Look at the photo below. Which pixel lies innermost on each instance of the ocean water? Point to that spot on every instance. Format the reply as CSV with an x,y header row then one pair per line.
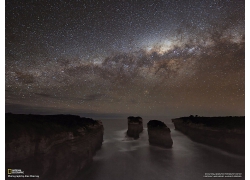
x,y
122,158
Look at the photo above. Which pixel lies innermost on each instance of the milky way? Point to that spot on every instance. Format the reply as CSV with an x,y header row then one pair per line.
x,y
109,59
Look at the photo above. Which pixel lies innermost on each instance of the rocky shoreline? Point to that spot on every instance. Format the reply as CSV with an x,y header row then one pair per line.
x,y
226,133
51,146
60,146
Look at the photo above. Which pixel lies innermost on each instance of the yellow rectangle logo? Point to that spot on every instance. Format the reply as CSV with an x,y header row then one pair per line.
x,y
9,171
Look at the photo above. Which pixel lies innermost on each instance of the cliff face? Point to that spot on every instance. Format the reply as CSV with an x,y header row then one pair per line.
x,y
231,140
135,126
53,147
159,134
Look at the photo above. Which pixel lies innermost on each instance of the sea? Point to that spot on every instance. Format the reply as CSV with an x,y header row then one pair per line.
x,y
123,158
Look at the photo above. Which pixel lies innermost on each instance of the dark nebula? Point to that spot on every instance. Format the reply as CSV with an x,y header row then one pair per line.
x,y
119,58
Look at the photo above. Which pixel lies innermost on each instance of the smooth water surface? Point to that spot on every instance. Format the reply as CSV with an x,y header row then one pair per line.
x,y
124,158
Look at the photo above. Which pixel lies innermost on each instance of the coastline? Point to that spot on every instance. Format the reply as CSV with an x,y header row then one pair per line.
x,y
48,145
221,136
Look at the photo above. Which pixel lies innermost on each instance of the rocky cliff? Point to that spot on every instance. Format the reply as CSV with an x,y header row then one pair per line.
x,y
51,146
159,134
226,133
135,126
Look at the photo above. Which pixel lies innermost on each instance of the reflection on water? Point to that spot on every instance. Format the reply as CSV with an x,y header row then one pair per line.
x,y
125,158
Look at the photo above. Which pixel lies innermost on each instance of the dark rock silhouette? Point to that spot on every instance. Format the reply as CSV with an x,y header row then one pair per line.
x,y
159,134
227,133
135,126
51,146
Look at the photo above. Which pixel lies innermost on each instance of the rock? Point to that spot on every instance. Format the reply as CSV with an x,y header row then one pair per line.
x,y
51,146
226,133
159,134
135,126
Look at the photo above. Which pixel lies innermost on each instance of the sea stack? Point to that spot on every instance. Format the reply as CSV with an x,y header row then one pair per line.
x,y
159,134
135,126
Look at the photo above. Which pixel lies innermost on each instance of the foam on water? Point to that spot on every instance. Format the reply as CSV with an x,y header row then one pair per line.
x,y
124,158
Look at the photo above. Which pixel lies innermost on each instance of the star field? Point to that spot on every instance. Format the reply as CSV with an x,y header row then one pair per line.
x,y
118,58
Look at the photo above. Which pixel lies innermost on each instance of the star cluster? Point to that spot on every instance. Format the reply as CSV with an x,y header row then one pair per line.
x,y
118,58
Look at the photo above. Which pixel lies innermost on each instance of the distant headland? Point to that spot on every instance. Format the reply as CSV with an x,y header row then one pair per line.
x,y
227,133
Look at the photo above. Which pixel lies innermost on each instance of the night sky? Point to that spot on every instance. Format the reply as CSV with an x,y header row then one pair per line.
x,y
112,59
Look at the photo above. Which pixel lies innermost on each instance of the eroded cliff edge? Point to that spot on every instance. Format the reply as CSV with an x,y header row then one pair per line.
x,y
51,146
226,133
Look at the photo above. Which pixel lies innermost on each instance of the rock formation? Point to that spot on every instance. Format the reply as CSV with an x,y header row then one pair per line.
x,y
51,146
135,126
159,134
227,133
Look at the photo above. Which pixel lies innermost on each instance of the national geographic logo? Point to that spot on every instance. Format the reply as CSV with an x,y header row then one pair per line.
x,y
18,173
15,171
